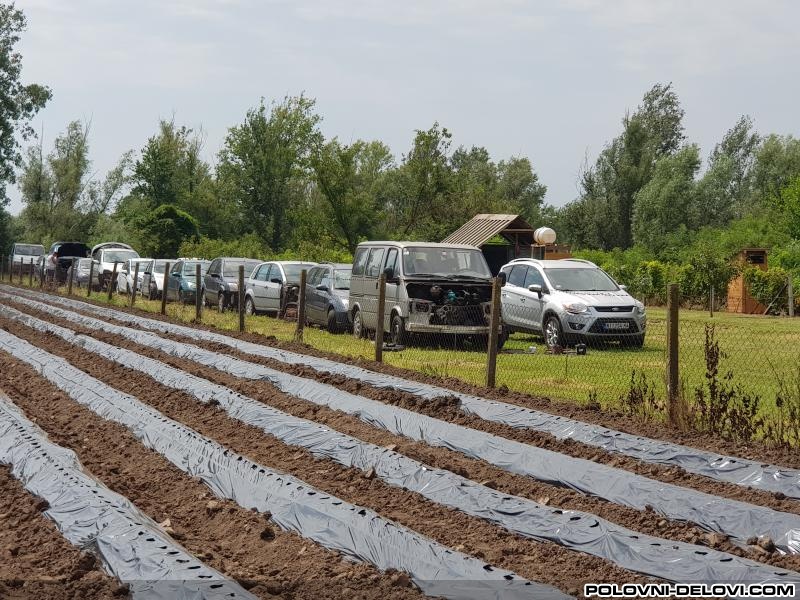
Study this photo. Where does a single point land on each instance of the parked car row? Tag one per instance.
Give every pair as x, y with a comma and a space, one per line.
432, 289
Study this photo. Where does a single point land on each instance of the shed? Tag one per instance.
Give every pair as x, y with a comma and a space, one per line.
739, 298
502, 238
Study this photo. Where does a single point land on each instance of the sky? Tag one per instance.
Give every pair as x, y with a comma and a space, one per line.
550, 80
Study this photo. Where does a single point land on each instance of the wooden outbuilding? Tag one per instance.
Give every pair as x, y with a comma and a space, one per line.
739, 298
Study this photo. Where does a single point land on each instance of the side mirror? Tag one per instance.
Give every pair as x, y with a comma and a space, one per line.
276, 280
214, 275
322, 287
624, 288
389, 272
537, 288
503, 277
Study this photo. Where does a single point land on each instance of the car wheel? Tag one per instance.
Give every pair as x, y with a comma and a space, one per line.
181, 297
128, 289
249, 308
397, 332
221, 302
553, 335
333, 323
358, 326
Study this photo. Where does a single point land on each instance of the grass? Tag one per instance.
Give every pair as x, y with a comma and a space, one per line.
757, 350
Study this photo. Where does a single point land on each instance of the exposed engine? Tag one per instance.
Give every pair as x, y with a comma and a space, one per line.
451, 304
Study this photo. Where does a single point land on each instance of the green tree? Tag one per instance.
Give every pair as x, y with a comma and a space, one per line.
263, 158
164, 229
777, 163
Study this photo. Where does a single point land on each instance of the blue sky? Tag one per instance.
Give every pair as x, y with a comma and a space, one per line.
547, 80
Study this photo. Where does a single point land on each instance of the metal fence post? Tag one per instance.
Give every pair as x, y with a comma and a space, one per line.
135, 283
91, 279
379, 326
164, 289
494, 325
301, 307
30, 274
71, 277
240, 298
790, 295
673, 384
198, 297
111, 281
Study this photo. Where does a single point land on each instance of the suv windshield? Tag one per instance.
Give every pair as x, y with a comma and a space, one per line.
341, 279
110, 256
28, 249
445, 262
293, 271
581, 280
231, 268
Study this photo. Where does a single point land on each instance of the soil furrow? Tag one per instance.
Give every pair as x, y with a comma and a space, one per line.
644, 521
36, 561
543, 562
240, 543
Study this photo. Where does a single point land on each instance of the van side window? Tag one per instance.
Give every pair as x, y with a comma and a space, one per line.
360, 261
517, 275
374, 262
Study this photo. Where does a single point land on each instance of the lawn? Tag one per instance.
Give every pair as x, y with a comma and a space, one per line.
758, 351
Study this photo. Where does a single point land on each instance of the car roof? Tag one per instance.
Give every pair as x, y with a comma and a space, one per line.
409, 244
242, 258
560, 263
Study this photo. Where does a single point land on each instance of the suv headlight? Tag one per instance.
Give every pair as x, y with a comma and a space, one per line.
190, 285
640, 309
575, 308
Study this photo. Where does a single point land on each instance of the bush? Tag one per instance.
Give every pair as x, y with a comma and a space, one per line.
248, 246
770, 287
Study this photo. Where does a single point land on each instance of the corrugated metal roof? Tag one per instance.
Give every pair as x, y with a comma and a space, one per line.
481, 228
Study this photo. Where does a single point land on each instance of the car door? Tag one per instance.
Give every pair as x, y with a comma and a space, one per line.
212, 279
534, 304
392, 285
174, 280
315, 278
512, 298
273, 287
256, 285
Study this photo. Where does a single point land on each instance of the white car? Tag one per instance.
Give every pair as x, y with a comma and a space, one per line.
125, 282
109, 253
152, 284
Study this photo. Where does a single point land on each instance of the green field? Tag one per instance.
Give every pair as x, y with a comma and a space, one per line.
756, 349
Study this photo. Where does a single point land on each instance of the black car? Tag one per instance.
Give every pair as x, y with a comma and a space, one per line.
327, 296
60, 257
221, 281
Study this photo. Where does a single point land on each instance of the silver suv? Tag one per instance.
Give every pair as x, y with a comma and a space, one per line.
570, 300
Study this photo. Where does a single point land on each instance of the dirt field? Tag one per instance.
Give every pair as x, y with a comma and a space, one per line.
248, 546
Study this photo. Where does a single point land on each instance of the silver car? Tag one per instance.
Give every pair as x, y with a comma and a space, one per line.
272, 286
568, 301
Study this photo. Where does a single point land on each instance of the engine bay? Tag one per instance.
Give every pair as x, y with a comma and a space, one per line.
450, 304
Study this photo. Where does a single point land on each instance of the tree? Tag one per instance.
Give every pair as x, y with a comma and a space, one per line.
663, 205
164, 229
262, 159
777, 163
19, 103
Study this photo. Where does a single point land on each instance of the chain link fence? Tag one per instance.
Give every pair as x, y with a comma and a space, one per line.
737, 375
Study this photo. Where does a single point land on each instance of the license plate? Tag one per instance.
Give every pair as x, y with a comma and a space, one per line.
617, 325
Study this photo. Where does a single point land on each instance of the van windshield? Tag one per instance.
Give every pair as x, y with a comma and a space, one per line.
111, 256
28, 249
581, 280
445, 262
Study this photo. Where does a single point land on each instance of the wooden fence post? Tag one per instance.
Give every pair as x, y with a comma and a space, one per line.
673, 382
494, 325
164, 289
301, 307
91, 278
112, 281
30, 274
790, 295
198, 297
135, 283
2, 267
379, 323
71, 277
240, 298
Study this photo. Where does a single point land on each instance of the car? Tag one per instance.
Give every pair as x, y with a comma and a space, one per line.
125, 275
272, 286
81, 277
59, 258
153, 278
441, 290
109, 253
221, 281
568, 301
181, 283
25, 256
328, 296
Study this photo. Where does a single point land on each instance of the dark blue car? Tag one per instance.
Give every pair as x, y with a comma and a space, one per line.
327, 295
182, 280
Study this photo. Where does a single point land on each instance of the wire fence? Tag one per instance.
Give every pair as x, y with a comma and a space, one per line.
736, 374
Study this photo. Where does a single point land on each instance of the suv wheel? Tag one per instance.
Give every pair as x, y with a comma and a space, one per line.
221, 302
358, 326
553, 335
398, 330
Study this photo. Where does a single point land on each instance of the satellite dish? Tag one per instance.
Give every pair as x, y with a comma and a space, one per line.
544, 236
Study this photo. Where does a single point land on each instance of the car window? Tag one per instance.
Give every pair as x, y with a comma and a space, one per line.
391, 261
177, 268
517, 275
214, 268
534, 277
374, 262
273, 273
360, 261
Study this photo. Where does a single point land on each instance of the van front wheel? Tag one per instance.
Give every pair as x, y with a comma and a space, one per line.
398, 332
